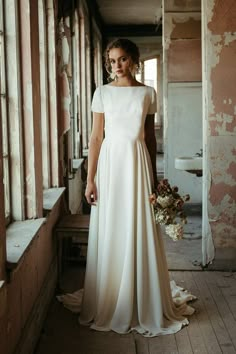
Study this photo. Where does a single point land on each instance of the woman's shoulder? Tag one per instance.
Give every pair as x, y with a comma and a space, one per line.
103, 87
151, 88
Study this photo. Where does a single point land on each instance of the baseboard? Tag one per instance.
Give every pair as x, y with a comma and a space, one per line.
33, 327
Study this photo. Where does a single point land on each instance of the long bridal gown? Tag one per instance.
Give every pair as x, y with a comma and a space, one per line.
127, 285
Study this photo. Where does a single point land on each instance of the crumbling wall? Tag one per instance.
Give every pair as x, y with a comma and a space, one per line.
220, 40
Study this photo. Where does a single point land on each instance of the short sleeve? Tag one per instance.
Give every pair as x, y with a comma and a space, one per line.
97, 103
153, 104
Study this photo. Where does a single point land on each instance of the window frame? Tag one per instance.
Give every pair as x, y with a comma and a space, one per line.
14, 110
52, 94
4, 122
45, 123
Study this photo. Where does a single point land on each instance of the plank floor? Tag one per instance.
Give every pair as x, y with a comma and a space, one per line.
212, 328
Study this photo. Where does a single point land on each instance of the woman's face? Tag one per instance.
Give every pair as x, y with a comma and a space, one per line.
121, 62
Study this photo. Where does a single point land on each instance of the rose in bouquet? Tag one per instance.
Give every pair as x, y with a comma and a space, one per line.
168, 208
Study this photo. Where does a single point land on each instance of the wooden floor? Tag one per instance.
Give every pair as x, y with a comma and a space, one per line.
212, 328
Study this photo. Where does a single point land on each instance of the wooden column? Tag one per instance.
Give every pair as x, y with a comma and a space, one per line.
29, 31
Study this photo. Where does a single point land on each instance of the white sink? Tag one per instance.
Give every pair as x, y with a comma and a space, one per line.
189, 164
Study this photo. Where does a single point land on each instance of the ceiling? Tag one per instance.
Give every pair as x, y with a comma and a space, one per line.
138, 20
130, 12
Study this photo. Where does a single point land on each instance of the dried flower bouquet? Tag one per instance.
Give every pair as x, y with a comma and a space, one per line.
168, 209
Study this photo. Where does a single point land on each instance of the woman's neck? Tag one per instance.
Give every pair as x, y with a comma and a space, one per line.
126, 81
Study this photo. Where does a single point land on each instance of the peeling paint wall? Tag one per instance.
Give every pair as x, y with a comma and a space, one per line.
182, 91
220, 71
182, 32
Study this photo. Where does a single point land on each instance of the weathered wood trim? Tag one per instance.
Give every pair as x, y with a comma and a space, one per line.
14, 109
51, 197
45, 126
19, 237
33, 327
83, 81
52, 92
94, 9
31, 108
2, 213
132, 30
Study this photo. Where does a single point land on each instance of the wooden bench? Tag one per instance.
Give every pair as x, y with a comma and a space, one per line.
70, 226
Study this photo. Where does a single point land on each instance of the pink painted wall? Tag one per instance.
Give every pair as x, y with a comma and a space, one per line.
221, 70
184, 53
184, 61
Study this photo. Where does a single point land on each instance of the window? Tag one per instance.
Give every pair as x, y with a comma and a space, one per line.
43, 52
3, 108
52, 93
76, 148
150, 75
85, 69
83, 87
11, 112
97, 55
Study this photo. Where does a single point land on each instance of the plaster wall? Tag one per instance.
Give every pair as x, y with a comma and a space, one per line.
182, 91
219, 95
184, 135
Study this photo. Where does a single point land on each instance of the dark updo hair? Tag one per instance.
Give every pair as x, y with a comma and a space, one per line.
128, 46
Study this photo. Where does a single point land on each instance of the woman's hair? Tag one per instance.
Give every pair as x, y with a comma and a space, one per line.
128, 46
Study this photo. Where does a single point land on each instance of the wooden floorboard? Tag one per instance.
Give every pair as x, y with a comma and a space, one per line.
212, 328
207, 331
213, 279
214, 315
194, 329
163, 345
141, 344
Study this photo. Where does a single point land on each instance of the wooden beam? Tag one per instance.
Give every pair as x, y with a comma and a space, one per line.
94, 10
132, 30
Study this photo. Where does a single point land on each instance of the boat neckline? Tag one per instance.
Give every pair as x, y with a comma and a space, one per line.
125, 86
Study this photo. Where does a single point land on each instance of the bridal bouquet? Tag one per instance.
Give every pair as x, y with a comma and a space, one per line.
168, 209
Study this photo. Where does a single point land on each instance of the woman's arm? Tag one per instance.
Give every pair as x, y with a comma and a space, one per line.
94, 149
150, 141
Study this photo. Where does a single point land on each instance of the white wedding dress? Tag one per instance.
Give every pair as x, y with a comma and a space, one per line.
127, 285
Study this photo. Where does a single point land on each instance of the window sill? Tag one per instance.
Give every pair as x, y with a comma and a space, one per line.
19, 236
51, 197
76, 164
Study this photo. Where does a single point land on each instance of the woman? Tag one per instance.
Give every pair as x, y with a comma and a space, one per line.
127, 285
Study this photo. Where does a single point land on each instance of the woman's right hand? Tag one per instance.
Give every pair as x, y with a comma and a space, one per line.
91, 193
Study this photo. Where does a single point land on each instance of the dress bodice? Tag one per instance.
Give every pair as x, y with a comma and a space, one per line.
125, 109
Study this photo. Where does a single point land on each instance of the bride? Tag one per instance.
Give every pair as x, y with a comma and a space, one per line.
127, 285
